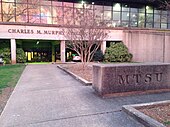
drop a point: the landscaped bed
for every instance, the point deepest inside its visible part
(79, 69)
(9, 76)
(159, 112)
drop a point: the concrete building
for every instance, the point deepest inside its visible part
(36, 26)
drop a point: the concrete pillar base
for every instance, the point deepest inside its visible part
(13, 51)
(62, 51)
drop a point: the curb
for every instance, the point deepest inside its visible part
(78, 78)
(141, 117)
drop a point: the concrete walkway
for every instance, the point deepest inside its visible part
(48, 97)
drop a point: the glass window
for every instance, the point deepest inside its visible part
(22, 18)
(57, 15)
(163, 26)
(134, 19)
(134, 10)
(99, 13)
(164, 18)
(117, 7)
(34, 18)
(68, 16)
(46, 10)
(57, 12)
(46, 14)
(164, 12)
(107, 15)
(116, 15)
(157, 18)
(149, 25)
(156, 11)
(8, 16)
(125, 15)
(125, 7)
(21, 13)
(142, 10)
(149, 17)
(141, 21)
(157, 25)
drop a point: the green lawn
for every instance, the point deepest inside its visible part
(9, 75)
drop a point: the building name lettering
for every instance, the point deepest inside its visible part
(138, 78)
(30, 31)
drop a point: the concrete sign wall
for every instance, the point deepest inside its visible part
(44, 33)
(117, 78)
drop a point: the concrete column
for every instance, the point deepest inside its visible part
(62, 51)
(103, 47)
(53, 53)
(13, 51)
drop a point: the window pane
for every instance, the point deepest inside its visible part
(149, 25)
(157, 18)
(99, 12)
(8, 12)
(157, 25)
(164, 18)
(68, 16)
(21, 12)
(58, 15)
(134, 10)
(149, 17)
(125, 7)
(125, 15)
(141, 22)
(116, 15)
(134, 19)
(142, 10)
(107, 15)
(163, 26)
(46, 14)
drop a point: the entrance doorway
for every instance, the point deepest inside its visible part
(40, 50)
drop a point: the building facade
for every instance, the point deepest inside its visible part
(36, 26)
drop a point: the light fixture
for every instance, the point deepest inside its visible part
(147, 7)
(82, 2)
(37, 42)
(117, 7)
(92, 3)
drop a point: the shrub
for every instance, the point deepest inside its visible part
(6, 54)
(117, 52)
(21, 57)
(98, 56)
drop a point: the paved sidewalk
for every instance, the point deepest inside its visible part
(48, 97)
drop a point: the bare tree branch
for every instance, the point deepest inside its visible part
(87, 34)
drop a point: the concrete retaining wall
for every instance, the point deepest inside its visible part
(148, 45)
